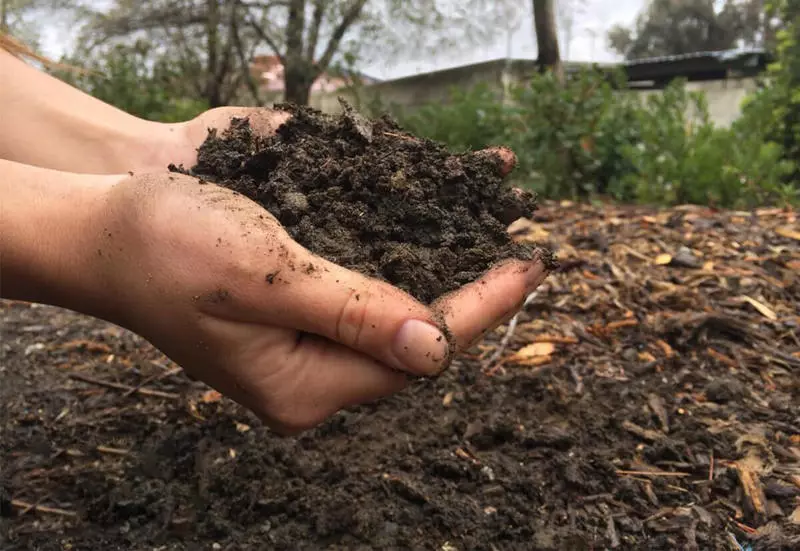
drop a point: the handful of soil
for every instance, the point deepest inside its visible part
(372, 198)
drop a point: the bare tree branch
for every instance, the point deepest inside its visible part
(263, 35)
(316, 23)
(351, 14)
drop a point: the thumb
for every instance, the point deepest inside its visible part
(362, 313)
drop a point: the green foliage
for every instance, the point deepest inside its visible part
(469, 119)
(589, 137)
(773, 112)
(136, 80)
(682, 158)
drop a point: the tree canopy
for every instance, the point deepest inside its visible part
(669, 27)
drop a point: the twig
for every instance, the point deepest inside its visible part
(651, 473)
(711, 466)
(401, 136)
(644, 434)
(152, 378)
(25, 506)
(735, 542)
(112, 451)
(119, 386)
(744, 527)
(512, 325)
(577, 379)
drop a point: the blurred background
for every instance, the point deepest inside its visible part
(660, 101)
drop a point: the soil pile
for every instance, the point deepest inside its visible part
(368, 196)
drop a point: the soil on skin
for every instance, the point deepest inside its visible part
(366, 195)
(664, 418)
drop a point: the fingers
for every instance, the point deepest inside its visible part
(291, 383)
(482, 305)
(326, 378)
(356, 311)
(262, 120)
(507, 158)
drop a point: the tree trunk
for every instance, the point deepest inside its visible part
(298, 79)
(213, 93)
(544, 18)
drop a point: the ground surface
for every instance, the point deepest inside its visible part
(644, 402)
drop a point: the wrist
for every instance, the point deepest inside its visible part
(52, 226)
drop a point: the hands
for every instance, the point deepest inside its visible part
(217, 284)
(208, 276)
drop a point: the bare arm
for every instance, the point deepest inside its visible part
(49, 223)
(48, 123)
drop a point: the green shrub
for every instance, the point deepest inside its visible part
(136, 80)
(470, 119)
(586, 137)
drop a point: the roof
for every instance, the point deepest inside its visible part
(699, 65)
(722, 55)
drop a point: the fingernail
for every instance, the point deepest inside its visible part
(420, 347)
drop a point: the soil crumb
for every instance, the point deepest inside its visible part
(367, 195)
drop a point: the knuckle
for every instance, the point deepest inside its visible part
(352, 318)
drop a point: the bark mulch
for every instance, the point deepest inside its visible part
(646, 398)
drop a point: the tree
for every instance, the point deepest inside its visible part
(217, 38)
(670, 27)
(544, 19)
(131, 78)
(567, 12)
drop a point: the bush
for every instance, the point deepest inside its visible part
(134, 79)
(470, 119)
(681, 157)
(586, 137)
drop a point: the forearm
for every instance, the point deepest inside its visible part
(50, 227)
(48, 123)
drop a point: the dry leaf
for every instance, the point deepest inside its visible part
(794, 518)
(708, 266)
(646, 356)
(535, 361)
(663, 259)
(534, 350)
(447, 400)
(194, 413)
(211, 396)
(668, 351)
(241, 427)
(788, 231)
(523, 229)
(763, 309)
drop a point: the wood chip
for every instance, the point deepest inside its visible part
(788, 232)
(663, 259)
(533, 350)
(762, 308)
(645, 434)
(748, 472)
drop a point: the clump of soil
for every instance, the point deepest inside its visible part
(368, 196)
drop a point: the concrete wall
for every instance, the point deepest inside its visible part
(724, 96)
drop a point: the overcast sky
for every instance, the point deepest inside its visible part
(588, 41)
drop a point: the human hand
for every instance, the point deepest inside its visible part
(215, 282)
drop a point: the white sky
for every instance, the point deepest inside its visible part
(588, 41)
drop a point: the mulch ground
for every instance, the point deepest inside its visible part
(646, 399)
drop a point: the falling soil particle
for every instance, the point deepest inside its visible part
(368, 196)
